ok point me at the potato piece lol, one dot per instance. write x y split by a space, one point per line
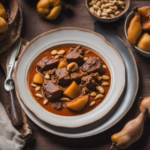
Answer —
62 63
73 91
78 104
3 12
38 78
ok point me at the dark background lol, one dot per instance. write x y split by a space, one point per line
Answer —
33 26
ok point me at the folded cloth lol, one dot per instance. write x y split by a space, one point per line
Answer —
12 138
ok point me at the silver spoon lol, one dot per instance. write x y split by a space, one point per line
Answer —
9 85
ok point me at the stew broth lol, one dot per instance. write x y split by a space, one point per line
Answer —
65 111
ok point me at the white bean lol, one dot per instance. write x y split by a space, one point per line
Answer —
98 3
54 52
104 14
61 52
37 88
100 89
34 85
120 3
93 94
108 5
104 66
105 77
111 15
117 13
99 13
92 10
92 103
99 96
105 84
108 10
45 101
39 95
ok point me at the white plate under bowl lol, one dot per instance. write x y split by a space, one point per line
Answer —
65 36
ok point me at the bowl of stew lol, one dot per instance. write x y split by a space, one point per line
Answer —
70 80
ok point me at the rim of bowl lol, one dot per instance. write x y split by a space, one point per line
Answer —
125 30
121 14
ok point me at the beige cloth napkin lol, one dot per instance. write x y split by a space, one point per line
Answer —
24 129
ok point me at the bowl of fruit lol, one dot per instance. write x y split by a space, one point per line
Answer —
137 30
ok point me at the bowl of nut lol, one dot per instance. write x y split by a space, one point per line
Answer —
107 10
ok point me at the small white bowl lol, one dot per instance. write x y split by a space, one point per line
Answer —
126 25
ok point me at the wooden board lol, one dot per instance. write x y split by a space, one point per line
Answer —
34 25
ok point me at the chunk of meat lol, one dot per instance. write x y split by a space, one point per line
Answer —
63 76
51 90
47 64
76 55
76 77
57 105
85 91
51 73
93 64
90 81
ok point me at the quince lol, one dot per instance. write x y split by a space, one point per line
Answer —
49 9
3 25
3 12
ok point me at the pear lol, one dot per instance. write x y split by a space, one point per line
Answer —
3 12
3 25
135 29
131 132
144 42
145 17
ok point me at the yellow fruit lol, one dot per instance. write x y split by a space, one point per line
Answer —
135 29
3 25
38 78
73 91
144 42
78 104
3 12
49 9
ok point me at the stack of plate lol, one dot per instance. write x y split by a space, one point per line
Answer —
124 84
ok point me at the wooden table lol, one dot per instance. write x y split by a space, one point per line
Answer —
33 26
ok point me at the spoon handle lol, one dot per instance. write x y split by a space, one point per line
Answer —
16 118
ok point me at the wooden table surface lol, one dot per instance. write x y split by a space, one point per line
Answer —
33 26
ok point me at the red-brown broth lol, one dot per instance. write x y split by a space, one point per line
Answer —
64 111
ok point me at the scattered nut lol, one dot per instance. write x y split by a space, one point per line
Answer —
105 84
104 66
37 88
45 101
61 52
47 76
54 52
100 89
100 78
85 58
92 103
93 94
72 67
56 57
105 77
65 99
99 96
39 95
34 85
